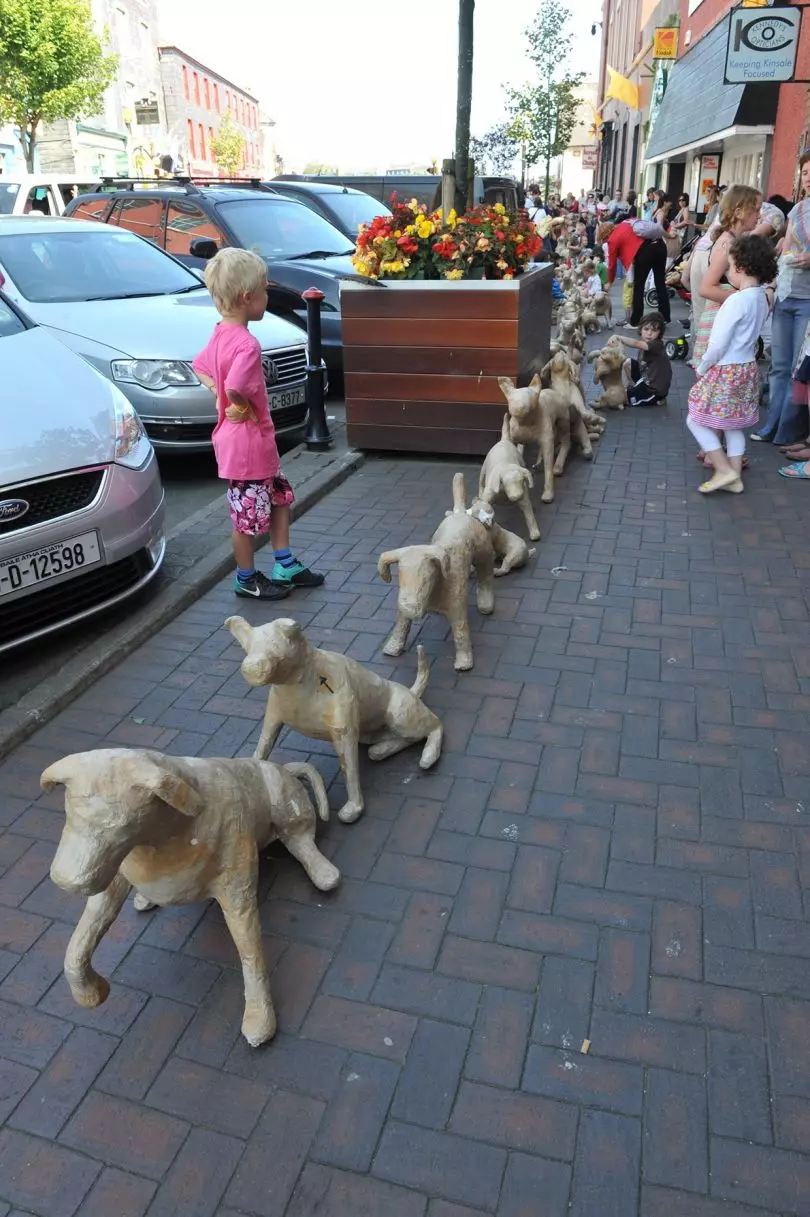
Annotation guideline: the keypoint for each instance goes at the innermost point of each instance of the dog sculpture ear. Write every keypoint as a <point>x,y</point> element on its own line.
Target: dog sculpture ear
<point>60,773</point>
<point>241,630</point>
<point>162,784</point>
<point>528,479</point>
<point>385,562</point>
<point>289,627</point>
<point>535,381</point>
<point>506,385</point>
<point>492,486</point>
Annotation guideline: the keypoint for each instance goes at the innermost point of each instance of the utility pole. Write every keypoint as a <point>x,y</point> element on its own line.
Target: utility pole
<point>466,11</point>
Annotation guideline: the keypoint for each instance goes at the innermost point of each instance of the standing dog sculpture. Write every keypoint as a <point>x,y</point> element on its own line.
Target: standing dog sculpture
<point>543,417</point>
<point>433,578</point>
<point>505,476</point>
<point>180,829</point>
<point>563,377</point>
<point>329,696</point>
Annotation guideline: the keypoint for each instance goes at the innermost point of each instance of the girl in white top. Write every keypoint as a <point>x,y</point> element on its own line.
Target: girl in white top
<point>725,398</point>
<point>593,284</point>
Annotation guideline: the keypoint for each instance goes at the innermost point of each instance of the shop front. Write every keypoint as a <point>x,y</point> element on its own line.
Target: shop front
<point>100,153</point>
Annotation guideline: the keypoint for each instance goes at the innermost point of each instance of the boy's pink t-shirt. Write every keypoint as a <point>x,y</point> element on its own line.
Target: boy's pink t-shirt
<point>246,451</point>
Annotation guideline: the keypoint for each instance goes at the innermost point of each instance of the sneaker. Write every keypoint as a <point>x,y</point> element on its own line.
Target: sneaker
<point>259,587</point>
<point>296,575</point>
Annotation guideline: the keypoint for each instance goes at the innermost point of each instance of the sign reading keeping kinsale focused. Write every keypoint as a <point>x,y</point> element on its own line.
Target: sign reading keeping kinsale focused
<point>762,45</point>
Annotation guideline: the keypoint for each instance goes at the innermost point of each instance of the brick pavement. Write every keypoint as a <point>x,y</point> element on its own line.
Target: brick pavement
<point>613,847</point>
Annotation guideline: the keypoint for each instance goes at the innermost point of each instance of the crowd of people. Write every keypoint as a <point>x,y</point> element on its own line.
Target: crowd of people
<point>746,265</point>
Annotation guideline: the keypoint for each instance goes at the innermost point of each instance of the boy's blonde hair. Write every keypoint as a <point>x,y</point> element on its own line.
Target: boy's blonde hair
<point>232,274</point>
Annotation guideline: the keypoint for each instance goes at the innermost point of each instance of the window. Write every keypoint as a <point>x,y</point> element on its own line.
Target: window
<point>216,98</point>
<point>202,141</point>
<point>255,118</point>
<point>196,89</point>
<point>9,321</point>
<point>191,149</point>
<point>185,83</point>
<point>93,208</point>
<point>227,99</point>
<point>186,221</point>
<point>276,228</point>
<point>143,216</point>
<point>207,88</point>
<point>40,199</point>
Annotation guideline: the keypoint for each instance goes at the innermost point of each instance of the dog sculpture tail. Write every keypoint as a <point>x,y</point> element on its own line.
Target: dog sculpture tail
<point>459,492</point>
<point>422,673</point>
<point>299,770</point>
<point>505,427</point>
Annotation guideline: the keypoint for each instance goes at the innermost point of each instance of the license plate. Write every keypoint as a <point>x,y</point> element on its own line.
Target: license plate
<point>290,397</point>
<point>39,565</point>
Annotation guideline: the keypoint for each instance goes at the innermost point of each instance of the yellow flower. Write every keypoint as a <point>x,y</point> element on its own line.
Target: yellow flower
<point>414,204</point>
<point>499,207</point>
<point>452,218</point>
<point>398,232</point>
<point>502,265</point>
<point>458,273</point>
<point>411,229</point>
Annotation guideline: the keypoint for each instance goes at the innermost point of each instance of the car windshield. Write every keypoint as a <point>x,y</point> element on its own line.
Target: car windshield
<point>278,229</point>
<point>89,263</point>
<point>355,209</point>
<point>8,193</point>
<point>9,321</point>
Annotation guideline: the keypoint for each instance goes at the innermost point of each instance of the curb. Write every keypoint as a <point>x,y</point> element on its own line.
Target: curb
<point>50,696</point>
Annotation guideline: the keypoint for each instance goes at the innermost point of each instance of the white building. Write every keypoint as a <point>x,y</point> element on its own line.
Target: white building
<point>577,165</point>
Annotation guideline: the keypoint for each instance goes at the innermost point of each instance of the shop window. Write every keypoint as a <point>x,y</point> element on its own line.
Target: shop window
<point>186,221</point>
<point>143,216</point>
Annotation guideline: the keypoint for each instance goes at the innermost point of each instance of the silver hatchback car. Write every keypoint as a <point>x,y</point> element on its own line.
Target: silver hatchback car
<point>81,503</point>
<point>139,317</point>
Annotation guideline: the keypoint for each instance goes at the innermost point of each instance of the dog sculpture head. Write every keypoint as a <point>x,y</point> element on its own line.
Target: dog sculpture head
<point>521,402</point>
<point>115,799</point>
<point>274,653</point>
<point>421,567</point>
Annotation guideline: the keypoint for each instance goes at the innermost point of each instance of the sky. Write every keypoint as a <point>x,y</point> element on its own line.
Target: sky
<point>365,83</point>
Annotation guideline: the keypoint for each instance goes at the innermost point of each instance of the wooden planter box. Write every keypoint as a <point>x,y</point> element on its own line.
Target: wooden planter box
<point>422,359</point>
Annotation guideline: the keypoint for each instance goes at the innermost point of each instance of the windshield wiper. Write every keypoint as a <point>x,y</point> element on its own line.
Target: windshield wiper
<point>124,296</point>
<point>322,253</point>
<point>192,287</point>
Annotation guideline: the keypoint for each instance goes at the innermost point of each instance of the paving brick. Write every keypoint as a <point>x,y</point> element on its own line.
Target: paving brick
<point>125,1135</point>
<point>167,974</point>
<point>665,1202</point>
<point>64,1083</point>
<point>360,1027</point>
<point>440,1164</point>
<point>605,908</point>
<point>427,993</point>
<point>118,1192</point>
<point>679,812</point>
<point>29,1037</point>
<point>429,1081</point>
<point>488,963</point>
<point>760,1175</point>
<point>340,1194</point>
<point>633,836</point>
<point>700,856</point>
<point>577,1077</point>
<point>34,974</point>
<point>517,1121</point>
<point>478,905</point>
<point>551,935</point>
<point>607,1166</point>
<point>20,930</point>
<point>211,1034</point>
<point>650,1041</point>
<point>357,853</point>
<point>788,1026</point>
<point>15,1080</point>
<point>774,974</point>
<point>414,826</point>
<point>199,1176</point>
<point>675,1146</point>
<point>709,1005</point>
<point>739,1099</point>
<point>499,1038</point>
<point>422,928</point>
<point>661,881</point>
<point>622,971</point>
<point>528,1178</point>
<point>443,1208</point>
<point>792,1123</point>
<point>321,926</point>
<point>351,1125</point>
<point>564,1002</point>
<point>533,879</point>
<point>206,1096</point>
<point>47,1178</point>
<point>677,941</point>
<point>424,874</point>
<point>775,885</point>
<point>304,1065</point>
<point>728,915</point>
<point>140,1056</point>
<point>266,1175</point>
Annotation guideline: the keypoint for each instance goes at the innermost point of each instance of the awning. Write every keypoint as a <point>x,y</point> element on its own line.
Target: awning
<point>697,107</point>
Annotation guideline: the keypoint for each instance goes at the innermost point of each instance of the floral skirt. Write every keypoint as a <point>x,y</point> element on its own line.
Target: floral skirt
<point>704,331</point>
<point>727,397</point>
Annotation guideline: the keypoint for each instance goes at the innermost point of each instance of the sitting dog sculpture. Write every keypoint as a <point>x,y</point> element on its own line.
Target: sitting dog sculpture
<point>180,829</point>
<point>329,696</point>
<point>563,376</point>
<point>601,305</point>
<point>433,578</point>
<point>543,417</point>
<point>505,476</point>
<point>607,372</point>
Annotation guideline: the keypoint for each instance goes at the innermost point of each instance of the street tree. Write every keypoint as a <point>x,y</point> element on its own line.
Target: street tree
<point>466,21</point>
<point>227,146</point>
<point>53,66</point>
<point>318,169</point>
<point>495,151</point>
<point>544,111</point>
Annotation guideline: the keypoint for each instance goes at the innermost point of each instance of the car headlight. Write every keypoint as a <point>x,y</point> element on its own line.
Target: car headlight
<point>132,445</point>
<point>153,373</point>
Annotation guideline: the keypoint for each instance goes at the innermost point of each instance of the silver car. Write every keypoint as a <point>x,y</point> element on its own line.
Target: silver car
<point>81,504</point>
<point>140,317</point>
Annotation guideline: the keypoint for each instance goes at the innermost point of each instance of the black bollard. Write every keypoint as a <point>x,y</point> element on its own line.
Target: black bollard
<point>318,438</point>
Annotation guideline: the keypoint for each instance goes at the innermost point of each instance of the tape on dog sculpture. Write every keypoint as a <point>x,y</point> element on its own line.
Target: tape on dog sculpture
<point>178,830</point>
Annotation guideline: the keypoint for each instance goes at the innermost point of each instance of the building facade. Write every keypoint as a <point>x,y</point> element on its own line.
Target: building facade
<point>578,163</point>
<point>196,99</point>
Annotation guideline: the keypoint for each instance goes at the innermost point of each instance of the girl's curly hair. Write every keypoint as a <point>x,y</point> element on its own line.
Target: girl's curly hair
<point>754,256</point>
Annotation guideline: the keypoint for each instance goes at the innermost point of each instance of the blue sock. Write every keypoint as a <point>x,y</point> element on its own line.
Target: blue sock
<point>284,556</point>
<point>244,575</point>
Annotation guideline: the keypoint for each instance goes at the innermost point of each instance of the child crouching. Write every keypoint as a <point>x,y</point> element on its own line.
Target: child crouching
<point>244,439</point>
<point>725,399</point>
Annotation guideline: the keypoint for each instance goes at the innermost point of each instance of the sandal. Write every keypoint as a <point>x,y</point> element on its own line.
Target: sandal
<point>800,471</point>
<point>799,454</point>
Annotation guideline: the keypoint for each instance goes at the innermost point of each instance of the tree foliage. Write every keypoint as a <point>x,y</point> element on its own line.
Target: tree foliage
<point>495,151</point>
<point>227,146</point>
<point>318,168</point>
<point>544,111</point>
<point>52,65</point>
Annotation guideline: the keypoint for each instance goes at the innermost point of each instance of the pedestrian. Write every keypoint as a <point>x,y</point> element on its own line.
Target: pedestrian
<point>683,220</point>
<point>244,439</point>
<point>739,212</point>
<point>640,246</point>
<point>785,421</point>
<point>725,398</point>
<point>650,202</point>
<point>650,376</point>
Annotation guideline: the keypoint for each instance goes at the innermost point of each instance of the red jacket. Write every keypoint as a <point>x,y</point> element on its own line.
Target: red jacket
<point>622,243</point>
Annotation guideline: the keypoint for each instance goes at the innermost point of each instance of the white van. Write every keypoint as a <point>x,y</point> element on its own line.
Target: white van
<point>46,193</point>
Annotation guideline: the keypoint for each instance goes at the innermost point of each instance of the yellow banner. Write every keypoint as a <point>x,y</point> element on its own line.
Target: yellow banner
<point>621,89</point>
<point>665,42</point>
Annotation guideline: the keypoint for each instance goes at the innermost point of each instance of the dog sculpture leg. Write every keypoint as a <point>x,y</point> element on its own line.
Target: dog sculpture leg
<point>270,733</point>
<point>546,452</point>
<point>399,636</point>
<point>532,526</point>
<point>241,915</point>
<point>460,626</point>
<point>484,567</point>
<point>88,988</point>
<point>564,448</point>
<point>346,744</point>
<point>581,436</point>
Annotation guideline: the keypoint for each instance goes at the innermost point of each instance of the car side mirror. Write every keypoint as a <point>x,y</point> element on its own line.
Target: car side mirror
<point>203,247</point>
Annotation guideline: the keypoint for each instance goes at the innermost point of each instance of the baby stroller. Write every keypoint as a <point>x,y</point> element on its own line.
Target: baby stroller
<point>674,284</point>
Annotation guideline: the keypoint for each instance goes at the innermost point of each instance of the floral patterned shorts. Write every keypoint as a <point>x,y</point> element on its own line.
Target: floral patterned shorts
<point>251,503</point>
